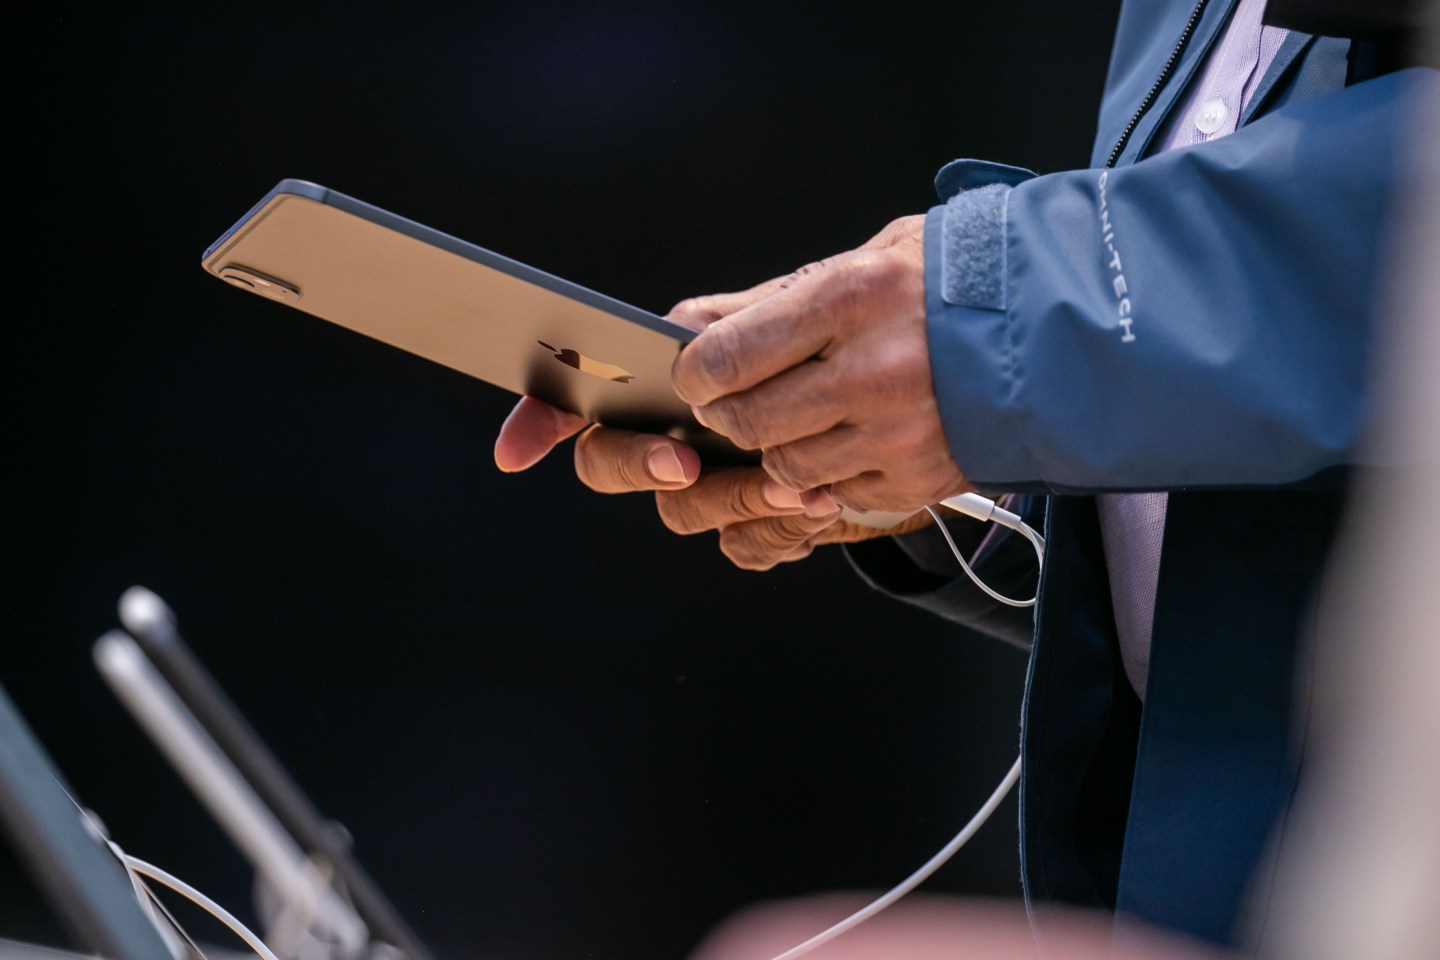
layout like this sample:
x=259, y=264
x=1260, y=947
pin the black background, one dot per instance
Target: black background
x=553, y=728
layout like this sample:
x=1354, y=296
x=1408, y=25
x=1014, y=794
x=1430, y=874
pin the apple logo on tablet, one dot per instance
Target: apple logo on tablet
x=585, y=365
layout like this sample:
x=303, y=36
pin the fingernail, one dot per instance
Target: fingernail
x=818, y=503
x=665, y=466
x=695, y=412
x=780, y=497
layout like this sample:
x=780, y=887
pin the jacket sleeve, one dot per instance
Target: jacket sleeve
x=1201, y=318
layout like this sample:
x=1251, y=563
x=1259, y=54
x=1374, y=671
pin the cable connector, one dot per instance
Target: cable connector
x=984, y=509
x=981, y=508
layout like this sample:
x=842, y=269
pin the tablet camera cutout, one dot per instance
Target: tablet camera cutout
x=584, y=364
x=257, y=282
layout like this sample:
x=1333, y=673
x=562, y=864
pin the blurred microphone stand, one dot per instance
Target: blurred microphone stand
x=315, y=900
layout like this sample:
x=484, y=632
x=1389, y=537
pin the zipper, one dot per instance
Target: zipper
x=1165, y=72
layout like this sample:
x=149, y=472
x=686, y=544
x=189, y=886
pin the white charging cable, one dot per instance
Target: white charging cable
x=972, y=505
x=916, y=878
x=138, y=866
x=135, y=869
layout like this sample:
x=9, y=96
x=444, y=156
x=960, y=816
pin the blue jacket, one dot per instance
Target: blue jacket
x=1200, y=322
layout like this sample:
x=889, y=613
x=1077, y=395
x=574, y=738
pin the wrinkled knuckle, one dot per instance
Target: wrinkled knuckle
x=900, y=230
x=737, y=421
x=720, y=361
x=742, y=551
x=857, y=264
x=694, y=313
x=851, y=284
x=677, y=511
x=710, y=366
x=632, y=473
x=778, y=463
x=881, y=267
x=606, y=468
x=789, y=470
x=877, y=271
x=789, y=532
x=738, y=505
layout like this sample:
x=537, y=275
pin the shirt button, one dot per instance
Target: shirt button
x=1211, y=116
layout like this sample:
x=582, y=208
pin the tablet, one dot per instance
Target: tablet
x=472, y=310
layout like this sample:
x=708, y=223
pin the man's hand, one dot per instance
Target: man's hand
x=534, y=427
x=828, y=374
x=760, y=523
